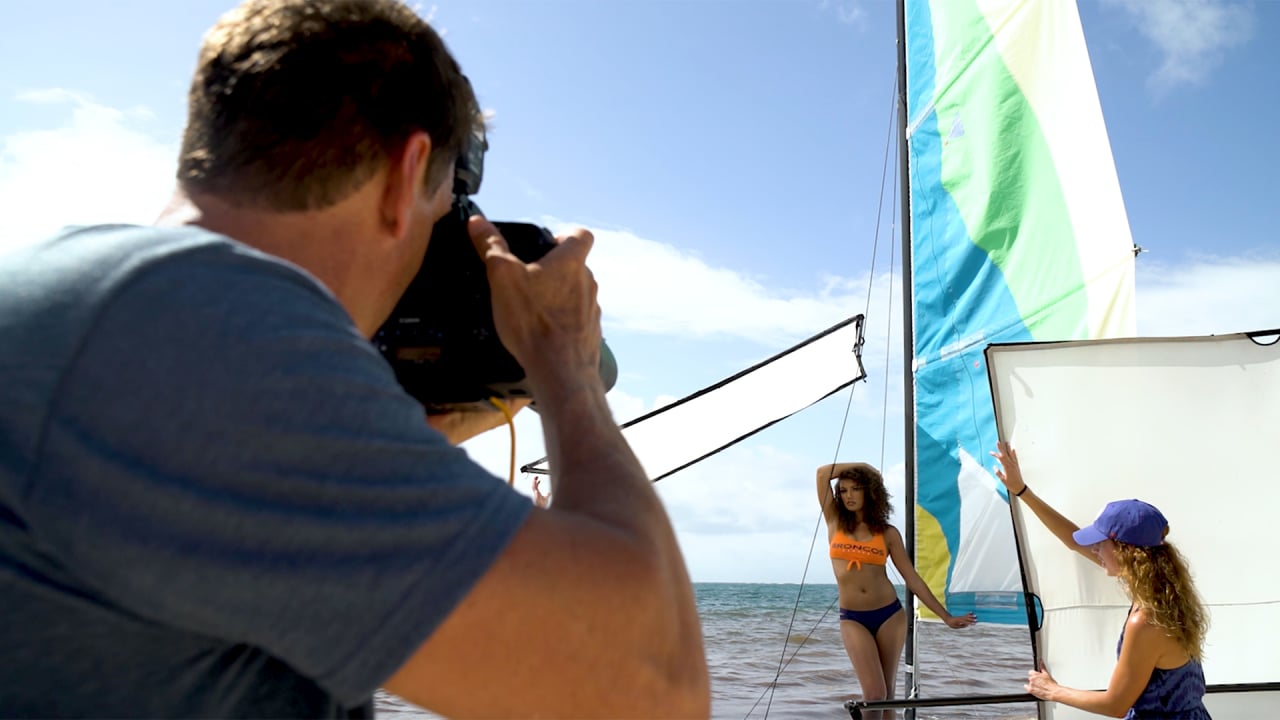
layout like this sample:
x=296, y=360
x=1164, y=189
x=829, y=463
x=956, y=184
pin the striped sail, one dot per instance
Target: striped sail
x=1018, y=233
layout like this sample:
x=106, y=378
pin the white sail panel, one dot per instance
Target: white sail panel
x=703, y=423
x=985, y=533
x=1188, y=424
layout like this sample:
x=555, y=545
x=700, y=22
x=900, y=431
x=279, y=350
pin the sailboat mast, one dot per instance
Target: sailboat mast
x=908, y=348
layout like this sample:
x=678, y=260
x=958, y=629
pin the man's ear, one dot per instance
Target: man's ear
x=406, y=178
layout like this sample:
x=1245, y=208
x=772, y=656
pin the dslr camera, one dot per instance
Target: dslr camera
x=440, y=338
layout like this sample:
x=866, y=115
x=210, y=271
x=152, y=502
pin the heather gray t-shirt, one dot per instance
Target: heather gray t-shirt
x=215, y=499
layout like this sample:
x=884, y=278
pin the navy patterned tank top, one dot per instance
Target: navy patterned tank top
x=1173, y=694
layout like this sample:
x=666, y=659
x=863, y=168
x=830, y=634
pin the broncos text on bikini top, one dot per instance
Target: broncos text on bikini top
x=872, y=552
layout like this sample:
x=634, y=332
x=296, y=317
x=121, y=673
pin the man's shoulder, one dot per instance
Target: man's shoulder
x=83, y=267
x=114, y=250
x=132, y=298
x=189, y=251
x=203, y=297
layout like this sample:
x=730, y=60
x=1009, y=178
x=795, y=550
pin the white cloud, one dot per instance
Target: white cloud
x=754, y=503
x=1192, y=35
x=100, y=165
x=750, y=515
x=428, y=15
x=1208, y=296
x=849, y=12
x=654, y=287
x=492, y=450
x=760, y=488
x=96, y=167
x=757, y=498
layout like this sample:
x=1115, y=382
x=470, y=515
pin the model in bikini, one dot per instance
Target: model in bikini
x=873, y=623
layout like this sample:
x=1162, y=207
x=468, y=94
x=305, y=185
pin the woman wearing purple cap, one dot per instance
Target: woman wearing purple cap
x=1158, y=672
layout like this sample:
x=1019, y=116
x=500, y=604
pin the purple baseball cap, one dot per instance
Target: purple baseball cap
x=1129, y=521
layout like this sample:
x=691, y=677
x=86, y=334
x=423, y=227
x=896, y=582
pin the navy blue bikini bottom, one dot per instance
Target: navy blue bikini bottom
x=871, y=619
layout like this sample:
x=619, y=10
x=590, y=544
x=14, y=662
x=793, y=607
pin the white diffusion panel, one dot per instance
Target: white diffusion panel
x=1188, y=424
x=695, y=427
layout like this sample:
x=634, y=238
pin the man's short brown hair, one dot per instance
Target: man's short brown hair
x=297, y=103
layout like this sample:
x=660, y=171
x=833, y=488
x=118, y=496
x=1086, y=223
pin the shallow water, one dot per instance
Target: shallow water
x=744, y=627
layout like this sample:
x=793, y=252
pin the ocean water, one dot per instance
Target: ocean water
x=745, y=627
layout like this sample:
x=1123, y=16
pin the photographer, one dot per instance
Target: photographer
x=216, y=500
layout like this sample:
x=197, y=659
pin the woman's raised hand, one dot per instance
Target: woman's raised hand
x=1008, y=471
x=538, y=498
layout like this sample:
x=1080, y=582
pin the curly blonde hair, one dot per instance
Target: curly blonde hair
x=1159, y=580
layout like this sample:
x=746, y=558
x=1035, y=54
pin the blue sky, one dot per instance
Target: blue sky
x=728, y=155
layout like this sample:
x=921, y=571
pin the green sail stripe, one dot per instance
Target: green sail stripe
x=1002, y=177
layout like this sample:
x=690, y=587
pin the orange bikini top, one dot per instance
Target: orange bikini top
x=872, y=552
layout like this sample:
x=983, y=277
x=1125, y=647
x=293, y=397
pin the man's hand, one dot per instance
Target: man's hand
x=546, y=311
x=606, y=544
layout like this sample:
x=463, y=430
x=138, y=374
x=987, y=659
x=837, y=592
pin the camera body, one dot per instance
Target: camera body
x=440, y=338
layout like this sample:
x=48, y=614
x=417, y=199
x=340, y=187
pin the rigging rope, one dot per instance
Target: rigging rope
x=783, y=660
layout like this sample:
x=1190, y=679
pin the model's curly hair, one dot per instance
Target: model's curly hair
x=876, y=506
x=1159, y=580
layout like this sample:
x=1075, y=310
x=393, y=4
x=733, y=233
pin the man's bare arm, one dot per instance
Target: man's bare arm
x=589, y=611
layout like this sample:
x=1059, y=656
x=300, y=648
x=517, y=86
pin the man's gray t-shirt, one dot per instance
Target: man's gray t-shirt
x=215, y=499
